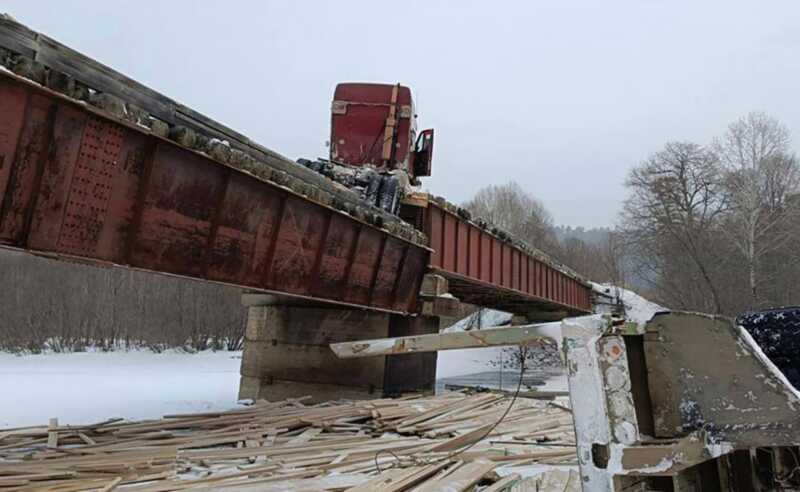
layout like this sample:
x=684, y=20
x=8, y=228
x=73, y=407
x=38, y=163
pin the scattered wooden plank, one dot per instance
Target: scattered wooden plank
x=112, y=485
x=461, y=479
x=464, y=439
x=88, y=440
x=416, y=199
x=262, y=447
x=504, y=483
x=52, y=434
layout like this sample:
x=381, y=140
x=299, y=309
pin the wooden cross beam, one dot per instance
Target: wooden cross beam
x=487, y=337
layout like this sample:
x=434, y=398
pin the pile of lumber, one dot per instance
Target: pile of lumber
x=467, y=442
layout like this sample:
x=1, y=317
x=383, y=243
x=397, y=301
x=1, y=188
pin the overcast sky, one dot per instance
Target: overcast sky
x=563, y=97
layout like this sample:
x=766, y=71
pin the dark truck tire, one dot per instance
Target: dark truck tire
x=372, y=191
x=777, y=332
x=389, y=198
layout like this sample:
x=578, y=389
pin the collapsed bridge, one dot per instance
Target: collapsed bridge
x=95, y=167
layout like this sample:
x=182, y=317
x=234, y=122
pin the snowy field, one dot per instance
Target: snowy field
x=80, y=388
x=93, y=386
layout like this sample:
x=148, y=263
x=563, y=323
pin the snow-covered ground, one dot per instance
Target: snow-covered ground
x=452, y=363
x=483, y=365
x=86, y=387
x=89, y=387
x=93, y=386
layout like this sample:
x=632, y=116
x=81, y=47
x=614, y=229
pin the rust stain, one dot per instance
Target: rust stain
x=399, y=347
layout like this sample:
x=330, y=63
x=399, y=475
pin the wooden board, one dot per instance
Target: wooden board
x=487, y=337
x=288, y=443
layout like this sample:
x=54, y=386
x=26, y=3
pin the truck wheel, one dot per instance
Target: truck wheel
x=389, y=197
x=777, y=332
x=372, y=191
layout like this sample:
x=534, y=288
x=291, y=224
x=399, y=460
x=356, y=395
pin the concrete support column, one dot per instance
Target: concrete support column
x=287, y=353
x=411, y=372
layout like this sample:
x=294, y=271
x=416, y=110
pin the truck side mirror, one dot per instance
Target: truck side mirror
x=423, y=153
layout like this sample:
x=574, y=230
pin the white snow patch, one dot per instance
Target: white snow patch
x=451, y=363
x=463, y=362
x=637, y=308
x=80, y=388
x=488, y=318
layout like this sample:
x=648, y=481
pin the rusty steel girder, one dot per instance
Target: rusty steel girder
x=77, y=183
x=485, y=270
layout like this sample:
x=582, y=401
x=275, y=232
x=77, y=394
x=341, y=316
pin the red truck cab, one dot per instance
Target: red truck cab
x=375, y=125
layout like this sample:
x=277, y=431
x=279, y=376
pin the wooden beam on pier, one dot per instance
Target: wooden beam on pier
x=487, y=337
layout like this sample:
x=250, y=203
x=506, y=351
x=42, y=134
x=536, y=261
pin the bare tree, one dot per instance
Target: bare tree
x=673, y=211
x=611, y=256
x=517, y=212
x=760, y=175
x=509, y=207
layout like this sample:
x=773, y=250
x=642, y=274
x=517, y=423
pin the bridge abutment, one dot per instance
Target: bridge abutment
x=287, y=354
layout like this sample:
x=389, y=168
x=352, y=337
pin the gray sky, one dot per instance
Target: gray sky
x=563, y=97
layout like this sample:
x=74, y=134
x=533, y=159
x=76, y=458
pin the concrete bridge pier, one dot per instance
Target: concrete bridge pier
x=286, y=352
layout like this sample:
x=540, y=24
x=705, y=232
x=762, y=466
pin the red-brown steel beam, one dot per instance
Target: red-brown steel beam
x=488, y=271
x=77, y=183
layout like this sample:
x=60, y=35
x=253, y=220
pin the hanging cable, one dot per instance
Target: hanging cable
x=457, y=452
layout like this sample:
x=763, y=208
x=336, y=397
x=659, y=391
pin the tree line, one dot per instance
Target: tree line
x=594, y=253
x=708, y=227
x=65, y=307
x=715, y=227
